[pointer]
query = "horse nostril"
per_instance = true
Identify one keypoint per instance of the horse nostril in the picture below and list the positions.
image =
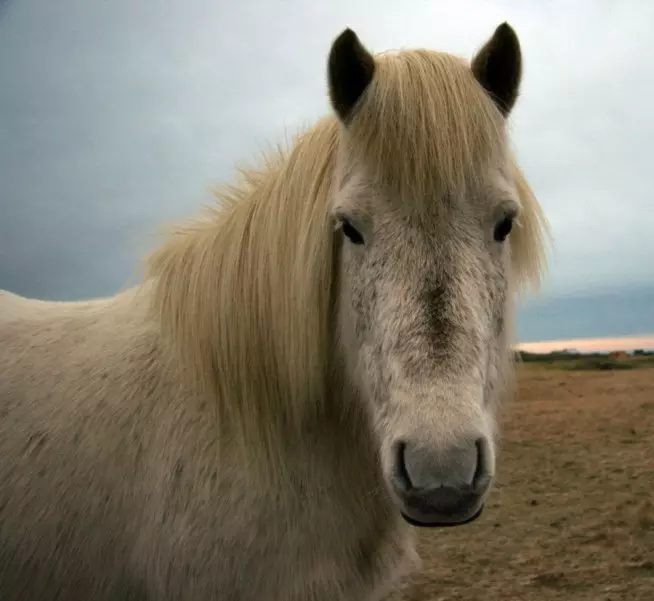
(483, 470)
(401, 475)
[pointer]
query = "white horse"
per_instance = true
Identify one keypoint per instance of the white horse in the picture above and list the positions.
(303, 373)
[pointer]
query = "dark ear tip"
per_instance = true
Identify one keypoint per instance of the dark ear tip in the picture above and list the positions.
(504, 27)
(347, 41)
(505, 34)
(347, 35)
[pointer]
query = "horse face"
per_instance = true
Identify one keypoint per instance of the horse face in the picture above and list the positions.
(425, 274)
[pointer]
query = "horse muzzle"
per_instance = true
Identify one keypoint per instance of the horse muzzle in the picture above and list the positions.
(448, 489)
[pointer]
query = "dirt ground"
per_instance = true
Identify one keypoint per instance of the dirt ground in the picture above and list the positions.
(572, 514)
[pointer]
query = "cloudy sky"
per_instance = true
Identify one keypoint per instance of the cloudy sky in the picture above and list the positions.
(117, 116)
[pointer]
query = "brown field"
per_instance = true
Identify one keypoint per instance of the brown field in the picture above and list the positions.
(572, 515)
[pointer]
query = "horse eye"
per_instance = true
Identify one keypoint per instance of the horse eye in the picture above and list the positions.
(503, 229)
(351, 232)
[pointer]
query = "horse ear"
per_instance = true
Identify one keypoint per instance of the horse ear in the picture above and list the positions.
(350, 70)
(498, 67)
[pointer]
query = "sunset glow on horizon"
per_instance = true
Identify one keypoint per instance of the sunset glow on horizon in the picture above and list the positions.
(591, 345)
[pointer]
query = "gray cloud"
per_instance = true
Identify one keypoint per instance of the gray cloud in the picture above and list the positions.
(116, 118)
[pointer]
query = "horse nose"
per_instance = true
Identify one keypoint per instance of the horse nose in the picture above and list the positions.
(444, 487)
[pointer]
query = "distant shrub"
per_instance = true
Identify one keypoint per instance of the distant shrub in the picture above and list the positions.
(587, 361)
(600, 364)
(526, 357)
(553, 357)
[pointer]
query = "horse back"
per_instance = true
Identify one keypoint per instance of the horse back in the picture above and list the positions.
(66, 406)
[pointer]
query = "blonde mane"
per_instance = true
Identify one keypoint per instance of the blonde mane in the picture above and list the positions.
(245, 293)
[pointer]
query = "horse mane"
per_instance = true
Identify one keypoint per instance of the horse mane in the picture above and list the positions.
(244, 294)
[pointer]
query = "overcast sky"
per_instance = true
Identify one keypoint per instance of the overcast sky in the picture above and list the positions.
(116, 117)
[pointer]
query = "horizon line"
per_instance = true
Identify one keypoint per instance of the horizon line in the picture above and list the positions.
(595, 344)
